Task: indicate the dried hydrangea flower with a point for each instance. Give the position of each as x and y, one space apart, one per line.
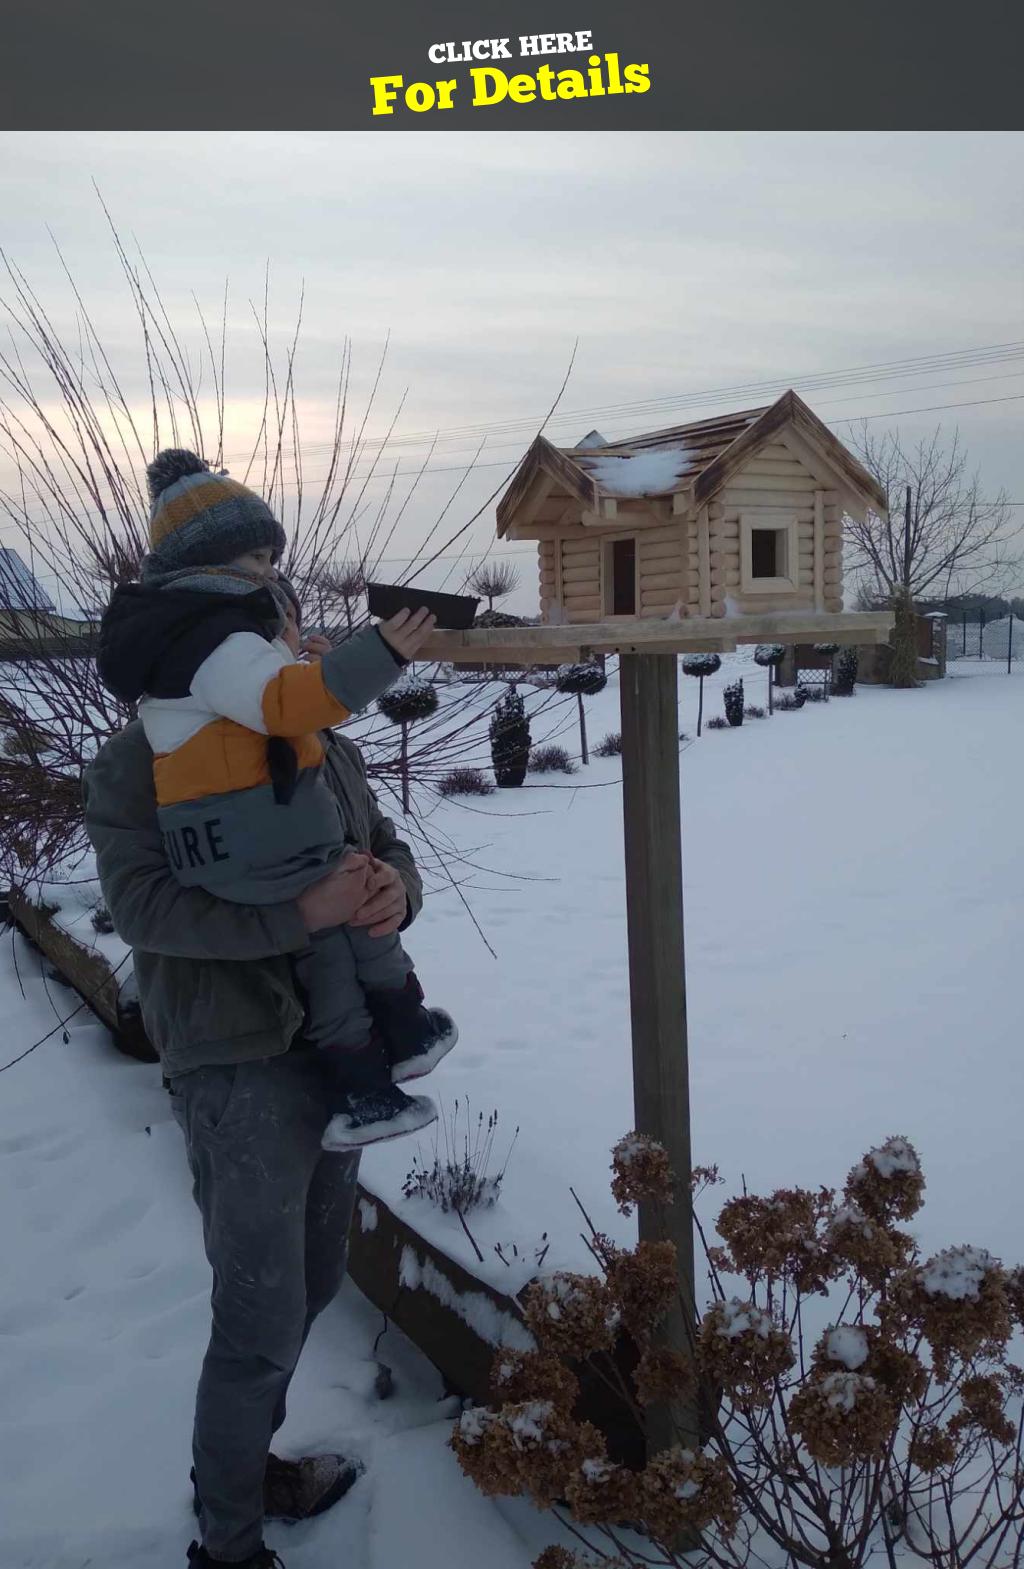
682 1489
641 1172
643 1284
983 1409
1015 1295
778 1236
572 1315
742 1349
931 1449
533 1375
530 1446
843 1418
870 1249
663 1374
888 1184
897 1370
601 1493
959 1301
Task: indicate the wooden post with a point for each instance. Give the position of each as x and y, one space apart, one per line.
648 696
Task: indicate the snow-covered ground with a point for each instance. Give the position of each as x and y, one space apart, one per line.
852 879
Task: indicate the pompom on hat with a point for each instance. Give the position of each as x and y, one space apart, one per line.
199 518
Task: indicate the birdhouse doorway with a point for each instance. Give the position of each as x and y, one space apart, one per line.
620 596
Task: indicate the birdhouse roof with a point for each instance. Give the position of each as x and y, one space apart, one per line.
697 458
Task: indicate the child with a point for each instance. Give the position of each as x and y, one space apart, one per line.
202 645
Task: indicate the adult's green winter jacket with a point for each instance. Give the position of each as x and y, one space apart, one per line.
215 980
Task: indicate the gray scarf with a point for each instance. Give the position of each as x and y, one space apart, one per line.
214 580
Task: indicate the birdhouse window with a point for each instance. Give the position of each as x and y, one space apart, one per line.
620 596
769 556
767 552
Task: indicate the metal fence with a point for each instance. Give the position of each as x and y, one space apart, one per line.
972 635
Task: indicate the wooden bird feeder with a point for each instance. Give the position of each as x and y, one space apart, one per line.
697 538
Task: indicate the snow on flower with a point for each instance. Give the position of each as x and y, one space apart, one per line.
474 1423
892 1158
957 1273
597 1471
841 1390
848 1344
529 1422
850 1215
735 1318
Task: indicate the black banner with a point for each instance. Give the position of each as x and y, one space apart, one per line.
556 65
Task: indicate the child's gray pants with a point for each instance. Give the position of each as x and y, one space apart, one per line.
276 1214
250 850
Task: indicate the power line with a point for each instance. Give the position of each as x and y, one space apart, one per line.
884 370
462 468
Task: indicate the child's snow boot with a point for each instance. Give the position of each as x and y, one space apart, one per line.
370 1116
415 1037
262 1558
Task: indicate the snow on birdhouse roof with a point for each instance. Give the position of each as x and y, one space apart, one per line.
19 590
650 473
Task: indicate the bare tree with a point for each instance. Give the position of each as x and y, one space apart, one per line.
941 535
79 421
494 580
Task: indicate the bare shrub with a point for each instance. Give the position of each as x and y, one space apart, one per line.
551 759
465 781
610 746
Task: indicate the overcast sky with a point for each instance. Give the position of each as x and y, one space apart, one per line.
681 263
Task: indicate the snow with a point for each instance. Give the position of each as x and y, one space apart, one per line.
956 1273
368 1215
641 473
735 1318
894 1158
482 1315
842 1389
881 833
848 1344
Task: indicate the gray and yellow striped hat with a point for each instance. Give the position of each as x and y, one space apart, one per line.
203 519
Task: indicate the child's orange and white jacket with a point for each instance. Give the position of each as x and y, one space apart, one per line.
228 712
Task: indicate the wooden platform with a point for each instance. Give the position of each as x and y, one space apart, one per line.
523 646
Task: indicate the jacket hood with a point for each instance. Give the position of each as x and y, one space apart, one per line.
152 641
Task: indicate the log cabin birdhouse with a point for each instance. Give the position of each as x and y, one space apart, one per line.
732 516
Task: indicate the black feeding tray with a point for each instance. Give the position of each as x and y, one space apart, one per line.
454 612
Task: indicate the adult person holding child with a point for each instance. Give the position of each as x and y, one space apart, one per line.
221 993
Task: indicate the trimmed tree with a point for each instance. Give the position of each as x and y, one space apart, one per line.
701 665
409 700
770 656
510 740
580 681
828 651
734 703
846 673
494 580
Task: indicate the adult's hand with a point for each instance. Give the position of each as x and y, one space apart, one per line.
316 645
385 904
407 631
334 900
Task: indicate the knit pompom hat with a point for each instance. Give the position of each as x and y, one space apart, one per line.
203 519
